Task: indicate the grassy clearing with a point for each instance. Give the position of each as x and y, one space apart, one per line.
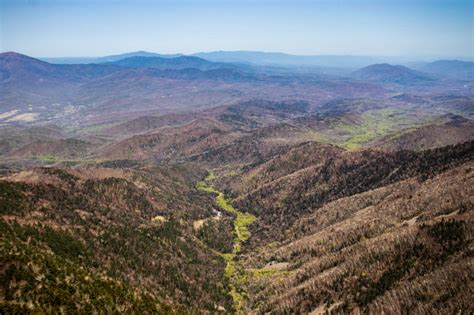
231 174
210 176
264 272
353 133
230 268
241 223
374 123
237 298
313 135
223 203
202 186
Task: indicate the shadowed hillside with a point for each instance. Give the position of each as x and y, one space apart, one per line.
362 231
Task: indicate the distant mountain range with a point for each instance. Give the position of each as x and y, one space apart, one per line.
34 90
271 58
111 58
18 68
264 58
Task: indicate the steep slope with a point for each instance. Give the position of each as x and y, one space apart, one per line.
279 197
206 190
431 136
364 231
171 143
401 248
106 240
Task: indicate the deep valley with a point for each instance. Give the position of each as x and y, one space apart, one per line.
181 185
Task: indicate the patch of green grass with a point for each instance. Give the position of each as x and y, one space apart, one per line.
354 131
230 268
231 174
78 161
263 272
202 186
241 223
374 123
316 136
399 134
271 245
224 204
242 233
238 299
47 158
210 176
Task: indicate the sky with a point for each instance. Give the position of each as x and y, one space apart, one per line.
67 28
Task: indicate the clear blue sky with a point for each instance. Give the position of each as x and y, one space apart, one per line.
53 28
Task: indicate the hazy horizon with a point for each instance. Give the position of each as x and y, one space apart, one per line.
408 29
406 57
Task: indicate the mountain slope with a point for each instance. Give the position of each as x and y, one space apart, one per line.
17 68
14 138
358 231
62 149
461 70
399 248
171 143
280 200
106 240
178 63
32 83
431 136
387 73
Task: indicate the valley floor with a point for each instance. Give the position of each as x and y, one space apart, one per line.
241 233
